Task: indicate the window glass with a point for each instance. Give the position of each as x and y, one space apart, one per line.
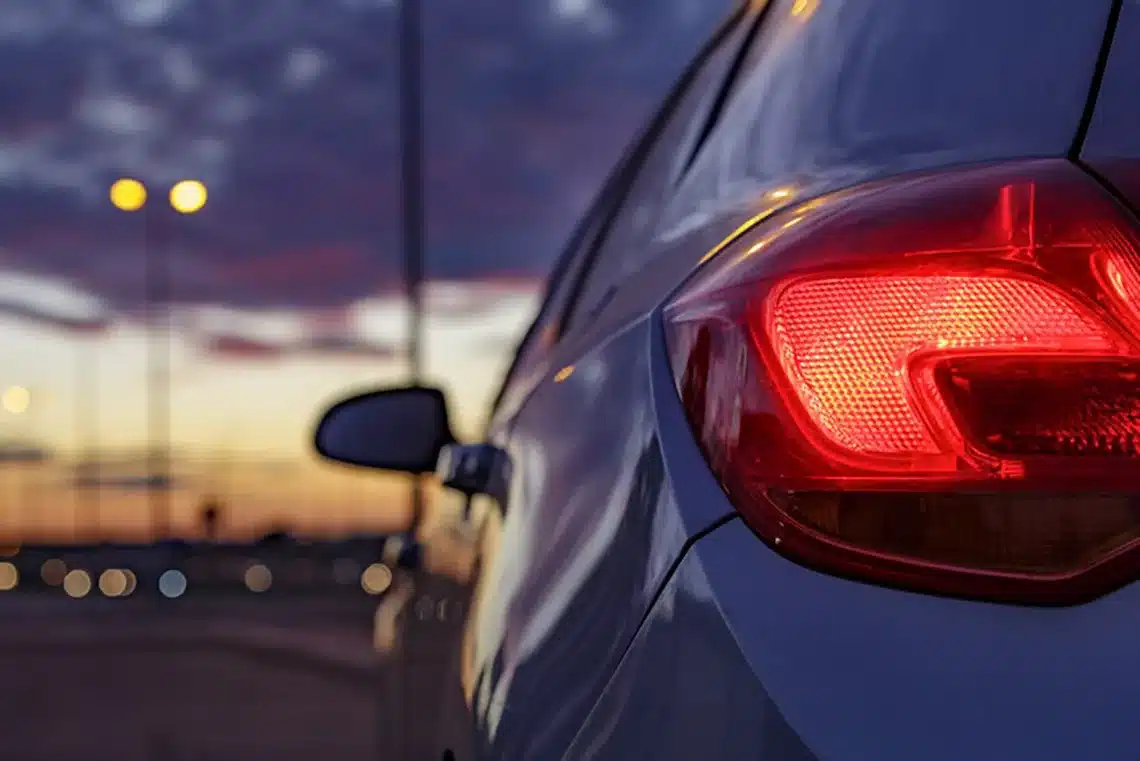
543 333
625 248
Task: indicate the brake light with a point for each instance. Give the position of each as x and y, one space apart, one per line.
931 383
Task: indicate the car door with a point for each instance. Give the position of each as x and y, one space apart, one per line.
565 569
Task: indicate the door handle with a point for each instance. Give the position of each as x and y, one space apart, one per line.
474 469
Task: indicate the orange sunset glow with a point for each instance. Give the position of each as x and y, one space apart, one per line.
246 389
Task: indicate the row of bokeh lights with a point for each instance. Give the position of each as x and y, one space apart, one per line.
172 583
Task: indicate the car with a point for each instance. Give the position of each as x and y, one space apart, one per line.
825 442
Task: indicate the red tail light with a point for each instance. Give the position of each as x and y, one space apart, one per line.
932 383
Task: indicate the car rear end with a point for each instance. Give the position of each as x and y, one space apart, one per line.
926 391
914 387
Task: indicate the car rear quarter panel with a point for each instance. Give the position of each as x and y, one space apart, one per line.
845 91
845 671
588 537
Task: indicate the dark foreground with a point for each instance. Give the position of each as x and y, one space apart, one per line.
127 704
282 681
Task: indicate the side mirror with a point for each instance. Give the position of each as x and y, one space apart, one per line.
398 429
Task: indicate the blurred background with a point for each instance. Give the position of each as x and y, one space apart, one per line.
200 248
284 290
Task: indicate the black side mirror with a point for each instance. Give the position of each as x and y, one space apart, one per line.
397 429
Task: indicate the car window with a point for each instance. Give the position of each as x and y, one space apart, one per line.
623 250
827 99
543 333
631 179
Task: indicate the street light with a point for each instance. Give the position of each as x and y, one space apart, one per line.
411 154
16 400
128 194
188 196
185 197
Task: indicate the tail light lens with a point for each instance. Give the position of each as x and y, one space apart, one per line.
932 383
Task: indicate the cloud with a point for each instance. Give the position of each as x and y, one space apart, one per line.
52 304
486 313
243 349
288 110
72 325
347 347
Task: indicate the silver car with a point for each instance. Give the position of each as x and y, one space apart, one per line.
825 443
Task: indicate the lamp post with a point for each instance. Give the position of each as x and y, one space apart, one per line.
185 197
411 140
87 430
127 195
411 143
16 401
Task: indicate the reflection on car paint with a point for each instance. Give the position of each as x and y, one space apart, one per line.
830 98
686 648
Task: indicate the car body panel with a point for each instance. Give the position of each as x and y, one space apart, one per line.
586 555
607 485
1112 144
855 671
686 650
1114 130
847 91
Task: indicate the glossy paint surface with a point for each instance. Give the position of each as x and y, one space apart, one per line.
580 558
607 486
834 669
687 648
1112 146
1114 131
844 91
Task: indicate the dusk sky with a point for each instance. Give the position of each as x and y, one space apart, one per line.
287 284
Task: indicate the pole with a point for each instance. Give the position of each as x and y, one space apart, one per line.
411 143
27 438
87 414
158 370
411 139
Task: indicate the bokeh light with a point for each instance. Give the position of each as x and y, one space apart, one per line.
77 583
376 579
172 583
9 577
393 549
16 400
258 578
113 583
128 194
132 582
53 572
188 196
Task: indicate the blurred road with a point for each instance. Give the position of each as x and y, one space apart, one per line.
212 680
123 704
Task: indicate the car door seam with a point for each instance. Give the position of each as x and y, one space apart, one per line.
666 578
